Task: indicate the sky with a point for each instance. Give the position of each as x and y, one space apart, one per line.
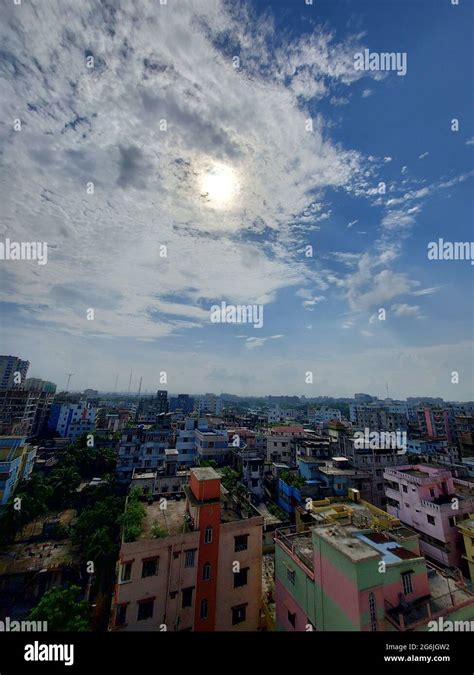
177 156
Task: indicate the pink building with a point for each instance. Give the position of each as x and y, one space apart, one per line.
433 503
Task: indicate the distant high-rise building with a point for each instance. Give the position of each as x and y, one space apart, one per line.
208 404
161 401
12 372
37 384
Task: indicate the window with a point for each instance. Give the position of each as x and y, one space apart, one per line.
203 610
240 578
145 610
405 488
241 542
432 492
373 611
121 615
150 567
126 571
187 598
239 614
407 583
189 557
206 572
292 618
291 576
208 535
431 520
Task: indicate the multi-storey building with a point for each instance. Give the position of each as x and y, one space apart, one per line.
17 458
353 568
12 372
429 500
209 404
372 462
464 427
37 384
202 572
142 448
318 417
182 402
24 412
72 420
466 528
436 422
212 444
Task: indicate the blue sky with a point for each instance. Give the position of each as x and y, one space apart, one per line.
236 187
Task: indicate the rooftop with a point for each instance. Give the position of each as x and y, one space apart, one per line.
36 557
170 520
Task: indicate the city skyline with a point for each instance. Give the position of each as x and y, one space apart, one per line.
174 159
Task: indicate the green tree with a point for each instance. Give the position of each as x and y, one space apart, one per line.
63 610
64 481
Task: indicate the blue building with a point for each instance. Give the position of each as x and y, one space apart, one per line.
72 420
17 459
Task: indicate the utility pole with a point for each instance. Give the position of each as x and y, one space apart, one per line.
68 380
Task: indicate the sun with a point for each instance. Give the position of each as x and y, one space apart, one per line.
219 186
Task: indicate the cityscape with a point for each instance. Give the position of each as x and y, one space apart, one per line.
236 331
204 512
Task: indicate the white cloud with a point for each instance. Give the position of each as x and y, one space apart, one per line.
403 309
104 126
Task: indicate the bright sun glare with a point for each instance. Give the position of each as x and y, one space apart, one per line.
220 186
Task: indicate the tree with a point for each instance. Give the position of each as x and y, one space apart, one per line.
62 609
64 480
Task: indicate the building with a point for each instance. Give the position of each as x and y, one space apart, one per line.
142 448
24 412
436 422
209 404
466 528
17 458
186 440
212 444
183 403
72 420
318 417
354 568
464 426
12 372
36 562
204 570
428 499
372 462
426 446
280 444
276 415
37 384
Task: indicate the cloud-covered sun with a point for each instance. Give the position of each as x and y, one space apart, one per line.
220 186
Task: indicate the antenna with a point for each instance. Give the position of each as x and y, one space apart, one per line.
68 380
388 394
115 385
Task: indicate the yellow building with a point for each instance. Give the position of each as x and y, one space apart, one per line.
466 528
